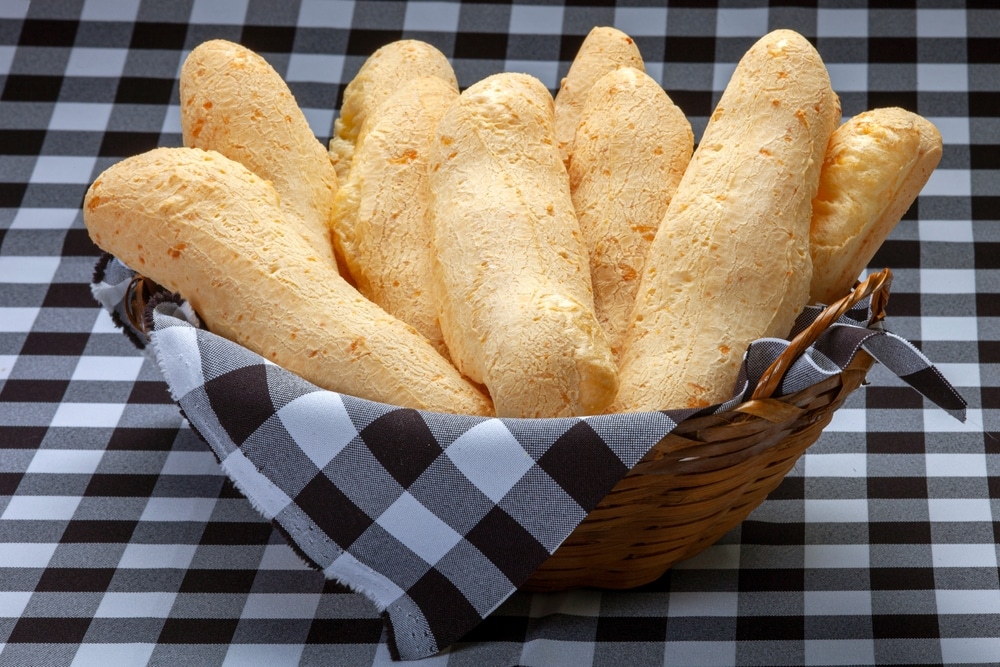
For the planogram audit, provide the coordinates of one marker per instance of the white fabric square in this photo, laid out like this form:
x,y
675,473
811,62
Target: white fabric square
x,y
326,13
320,425
180,359
88,415
941,23
63,169
949,328
41,508
721,75
959,509
969,650
14,9
836,510
26,554
966,601
490,457
639,21
263,655
178,509
157,556
321,68
545,71
943,77
948,281
320,121
6,58
6,360
939,421
851,420
948,183
418,528
964,555
836,465
219,13
102,655
13,603
961,375
135,605
26,269
96,62
841,23
108,369
947,231
431,16
699,653
848,77
15,320
741,22
48,218
953,131
956,465
80,116
65,461
530,20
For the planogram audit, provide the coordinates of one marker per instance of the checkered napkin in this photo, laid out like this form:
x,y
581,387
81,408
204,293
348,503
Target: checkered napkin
x,y
436,518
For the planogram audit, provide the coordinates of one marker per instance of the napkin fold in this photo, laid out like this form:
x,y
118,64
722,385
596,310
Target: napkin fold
x,y
436,518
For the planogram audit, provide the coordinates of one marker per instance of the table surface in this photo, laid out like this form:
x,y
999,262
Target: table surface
x,y
122,543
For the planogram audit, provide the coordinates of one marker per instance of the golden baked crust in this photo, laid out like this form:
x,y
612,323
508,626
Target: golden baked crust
x,y
517,308
206,227
730,262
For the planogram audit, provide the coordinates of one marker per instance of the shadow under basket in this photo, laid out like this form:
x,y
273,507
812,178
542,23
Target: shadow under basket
x,y
705,477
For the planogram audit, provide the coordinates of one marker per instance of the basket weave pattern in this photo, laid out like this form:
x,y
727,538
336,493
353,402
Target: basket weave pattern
x,y
708,474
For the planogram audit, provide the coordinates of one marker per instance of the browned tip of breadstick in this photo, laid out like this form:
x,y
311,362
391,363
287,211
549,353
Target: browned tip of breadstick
x,y
875,166
603,50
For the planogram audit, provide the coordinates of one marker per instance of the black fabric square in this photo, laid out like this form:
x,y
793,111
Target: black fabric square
x,y
898,255
402,443
217,581
198,630
33,88
121,485
55,343
98,531
165,36
770,628
581,463
481,45
268,38
510,547
22,142
68,295
767,580
150,391
892,50
631,629
901,578
499,628
982,50
905,626
75,580
142,439
987,255
900,442
144,90
985,156
236,533
681,49
334,513
983,207
364,42
9,481
33,391
897,487
125,144
344,631
892,398
12,194
899,532
21,437
44,630
240,400
791,488
48,32
77,243
693,103
446,609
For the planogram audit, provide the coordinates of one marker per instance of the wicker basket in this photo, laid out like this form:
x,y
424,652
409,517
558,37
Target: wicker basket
x,y
704,478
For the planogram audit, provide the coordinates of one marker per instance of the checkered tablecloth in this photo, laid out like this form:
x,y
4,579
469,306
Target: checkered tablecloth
x,y
123,543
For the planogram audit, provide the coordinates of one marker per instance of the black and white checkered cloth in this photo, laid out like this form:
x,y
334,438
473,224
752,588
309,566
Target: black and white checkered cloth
x,y
437,518
122,541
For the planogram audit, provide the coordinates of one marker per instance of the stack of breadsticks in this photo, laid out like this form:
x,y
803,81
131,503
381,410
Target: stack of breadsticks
x,y
502,251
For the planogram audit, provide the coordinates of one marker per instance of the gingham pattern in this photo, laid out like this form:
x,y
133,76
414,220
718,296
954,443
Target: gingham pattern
x,y
438,519
122,542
